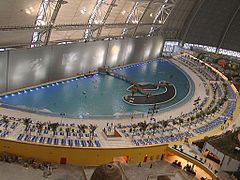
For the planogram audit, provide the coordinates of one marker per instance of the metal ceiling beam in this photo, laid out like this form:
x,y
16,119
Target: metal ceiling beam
x,y
140,20
20,28
64,27
188,25
52,21
221,40
88,32
125,29
40,20
111,6
163,14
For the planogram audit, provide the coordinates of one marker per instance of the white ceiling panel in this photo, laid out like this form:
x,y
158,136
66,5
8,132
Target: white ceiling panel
x,y
75,12
66,35
120,12
18,12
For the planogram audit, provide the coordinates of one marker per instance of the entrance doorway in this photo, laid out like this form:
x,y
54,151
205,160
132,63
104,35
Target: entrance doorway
x,y
63,161
121,159
145,158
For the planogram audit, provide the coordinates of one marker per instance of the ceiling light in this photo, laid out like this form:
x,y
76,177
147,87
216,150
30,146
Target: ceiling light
x,y
151,15
28,11
82,11
31,8
123,12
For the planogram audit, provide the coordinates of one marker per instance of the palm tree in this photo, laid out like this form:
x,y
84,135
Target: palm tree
x,y
26,122
134,126
82,128
92,130
180,120
165,124
154,127
39,127
134,90
67,132
143,127
54,127
5,121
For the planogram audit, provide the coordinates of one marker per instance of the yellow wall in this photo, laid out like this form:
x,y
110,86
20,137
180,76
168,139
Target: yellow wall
x,y
82,156
90,156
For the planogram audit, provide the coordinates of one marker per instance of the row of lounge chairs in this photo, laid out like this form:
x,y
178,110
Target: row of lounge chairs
x,y
3,133
57,141
164,139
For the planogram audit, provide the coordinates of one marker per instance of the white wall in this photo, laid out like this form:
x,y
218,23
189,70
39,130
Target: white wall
x,y
26,67
3,70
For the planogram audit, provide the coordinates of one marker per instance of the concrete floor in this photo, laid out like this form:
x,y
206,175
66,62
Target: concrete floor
x,y
133,172
12,171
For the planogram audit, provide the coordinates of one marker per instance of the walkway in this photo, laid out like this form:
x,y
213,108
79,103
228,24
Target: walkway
x,y
127,79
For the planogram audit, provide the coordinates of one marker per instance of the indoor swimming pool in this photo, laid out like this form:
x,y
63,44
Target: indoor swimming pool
x,y
102,95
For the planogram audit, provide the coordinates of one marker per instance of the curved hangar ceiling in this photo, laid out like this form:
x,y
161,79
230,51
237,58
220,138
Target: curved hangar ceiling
x,y
25,23
43,22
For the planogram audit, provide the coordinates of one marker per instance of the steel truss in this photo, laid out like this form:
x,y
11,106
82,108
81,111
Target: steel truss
x,y
64,27
45,19
111,6
164,11
88,32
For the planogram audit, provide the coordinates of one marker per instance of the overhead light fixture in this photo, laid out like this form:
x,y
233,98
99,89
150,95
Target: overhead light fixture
x,y
31,9
151,15
82,11
123,12
28,11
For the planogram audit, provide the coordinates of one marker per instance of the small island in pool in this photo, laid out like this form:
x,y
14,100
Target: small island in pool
x,y
141,94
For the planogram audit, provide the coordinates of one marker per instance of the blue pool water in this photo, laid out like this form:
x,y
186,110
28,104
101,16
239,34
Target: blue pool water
x,y
101,95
